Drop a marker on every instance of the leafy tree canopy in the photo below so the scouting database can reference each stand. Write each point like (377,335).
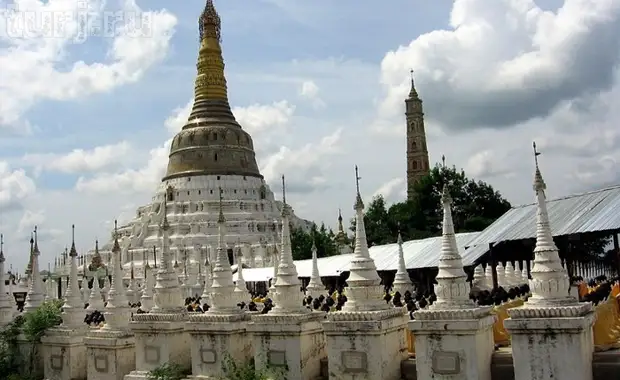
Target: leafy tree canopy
(475,206)
(323,237)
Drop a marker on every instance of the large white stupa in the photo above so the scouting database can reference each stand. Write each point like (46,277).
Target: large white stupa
(211,154)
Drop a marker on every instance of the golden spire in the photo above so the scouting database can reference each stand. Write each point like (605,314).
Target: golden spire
(359,203)
(211,142)
(116,248)
(285,211)
(413,94)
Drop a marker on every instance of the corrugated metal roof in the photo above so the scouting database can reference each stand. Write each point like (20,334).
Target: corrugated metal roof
(589,212)
(422,253)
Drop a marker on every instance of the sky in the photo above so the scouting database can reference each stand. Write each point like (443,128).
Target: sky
(87,112)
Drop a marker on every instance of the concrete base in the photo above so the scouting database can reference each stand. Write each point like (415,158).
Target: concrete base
(64,354)
(110,355)
(215,339)
(459,349)
(366,345)
(552,348)
(160,339)
(290,345)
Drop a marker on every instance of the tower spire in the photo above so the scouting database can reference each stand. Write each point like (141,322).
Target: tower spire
(413,94)
(201,147)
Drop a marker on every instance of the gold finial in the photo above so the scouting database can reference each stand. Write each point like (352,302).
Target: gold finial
(359,204)
(210,24)
(73,251)
(96,246)
(339,215)
(443,161)
(536,154)
(221,219)
(283,190)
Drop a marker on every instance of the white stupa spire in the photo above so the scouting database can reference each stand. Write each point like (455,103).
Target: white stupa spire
(95,300)
(84,293)
(132,289)
(516,275)
(501,276)
(365,292)
(524,275)
(315,286)
(168,298)
(146,300)
(550,284)
(479,278)
(289,299)
(35,296)
(402,282)
(241,290)
(73,308)
(488,275)
(206,290)
(117,311)
(222,287)
(452,290)
(7,306)
(509,271)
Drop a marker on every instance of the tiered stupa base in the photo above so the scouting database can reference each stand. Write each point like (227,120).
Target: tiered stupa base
(110,354)
(64,353)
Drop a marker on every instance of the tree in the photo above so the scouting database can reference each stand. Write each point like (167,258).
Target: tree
(302,241)
(475,206)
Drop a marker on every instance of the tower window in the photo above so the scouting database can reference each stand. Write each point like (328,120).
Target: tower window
(215,136)
(414,165)
(218,177)
(414,146)
(215,156)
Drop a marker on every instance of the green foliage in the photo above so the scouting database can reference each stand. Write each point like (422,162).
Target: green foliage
(19,365)
(301,242)
(475,206)
(169,371)
(248,371)
(46,316)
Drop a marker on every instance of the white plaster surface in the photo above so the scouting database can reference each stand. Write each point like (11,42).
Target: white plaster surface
(64,355)
(454,349)
(212,343)
(552,348)
(159,342)
(366,349)
(295,341)
(109,358)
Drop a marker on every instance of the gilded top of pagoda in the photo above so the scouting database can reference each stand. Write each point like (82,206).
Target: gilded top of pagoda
(211,142)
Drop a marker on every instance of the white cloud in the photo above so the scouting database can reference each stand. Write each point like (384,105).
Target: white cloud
(29,63)
(504,62)
(80,160)
(309,89)
(305,167)
(258,117)
(178,118)
(30,219)
(393,190)
(15,187)
(142,180)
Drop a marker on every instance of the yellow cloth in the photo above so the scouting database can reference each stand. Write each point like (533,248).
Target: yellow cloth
(410,343)
(500,335)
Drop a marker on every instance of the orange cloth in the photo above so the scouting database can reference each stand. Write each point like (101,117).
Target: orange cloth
(583,289)
(500,335)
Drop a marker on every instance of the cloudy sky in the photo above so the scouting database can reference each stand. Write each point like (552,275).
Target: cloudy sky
(86,118)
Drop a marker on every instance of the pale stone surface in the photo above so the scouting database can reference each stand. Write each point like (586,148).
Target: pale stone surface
(215,339)
(64,354)
(295,341)
(549,348)
(369,348)
(454,345)
(110,357)
(160,339)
